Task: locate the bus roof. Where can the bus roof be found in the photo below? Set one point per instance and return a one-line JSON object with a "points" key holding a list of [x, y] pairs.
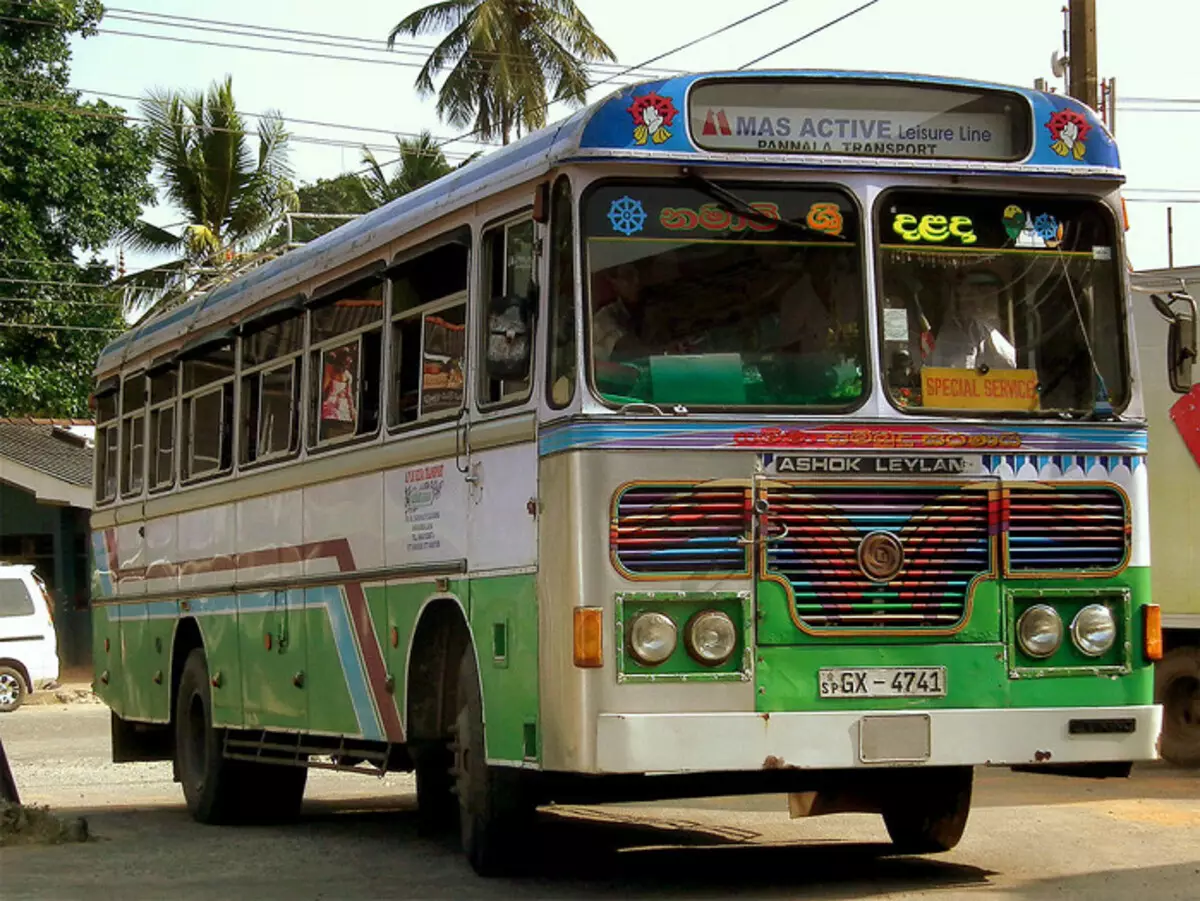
{"points": [[651, 122]]}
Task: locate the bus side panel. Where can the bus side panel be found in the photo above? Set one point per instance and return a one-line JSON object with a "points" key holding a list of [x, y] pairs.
{"points": [[504, 621], [339, 700], [271, 632], [218, 621], [106, 655], [145, 651]]}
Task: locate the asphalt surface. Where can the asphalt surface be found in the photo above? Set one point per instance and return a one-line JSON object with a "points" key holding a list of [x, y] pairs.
{"points": [[1030, 837]]}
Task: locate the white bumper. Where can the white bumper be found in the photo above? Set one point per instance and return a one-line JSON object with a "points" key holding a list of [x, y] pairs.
{"points": [[707, 742]]}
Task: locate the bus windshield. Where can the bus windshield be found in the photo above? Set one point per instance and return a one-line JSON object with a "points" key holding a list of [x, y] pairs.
{"points": [[1000, 304], [735, 296]]}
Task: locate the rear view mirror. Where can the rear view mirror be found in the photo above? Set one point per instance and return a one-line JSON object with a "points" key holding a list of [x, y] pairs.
{"points": [[509, 339], [1181, 349]]}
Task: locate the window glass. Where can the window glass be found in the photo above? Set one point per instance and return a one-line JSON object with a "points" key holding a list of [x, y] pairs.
{"points": [[346, 388], [561, 375], [277, 407], [443, 360], [742, 295], [14, 598], [162, 454], [1001, 303], [133, 393], [511, 287], [106, 407], [133, 444], [274, 341], [207, 432], [356, 307], [439, 273], [163, 386], [106, 461]]}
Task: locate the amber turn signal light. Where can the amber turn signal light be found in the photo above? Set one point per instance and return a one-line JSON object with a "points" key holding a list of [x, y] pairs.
{"points": [[589, 637], [1152, 621]]}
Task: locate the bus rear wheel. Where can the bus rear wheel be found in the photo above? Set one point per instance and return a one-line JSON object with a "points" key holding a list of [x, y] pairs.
{"points": [[926, 811], [495, 813], [217, 789]]}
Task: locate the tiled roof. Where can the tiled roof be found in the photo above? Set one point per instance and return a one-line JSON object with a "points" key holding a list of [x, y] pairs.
{"points": [[46, 445]]}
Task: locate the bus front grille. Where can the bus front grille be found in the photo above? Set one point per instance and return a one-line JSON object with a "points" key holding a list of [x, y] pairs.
{"points": [[680, 530], [1076, 528], [815, 533]]}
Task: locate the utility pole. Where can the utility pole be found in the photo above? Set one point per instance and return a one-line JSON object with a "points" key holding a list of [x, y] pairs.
{"points": [[1083, 82]]}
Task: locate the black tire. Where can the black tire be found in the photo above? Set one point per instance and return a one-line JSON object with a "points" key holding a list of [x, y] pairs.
{"points": [[13, 689], [216, 789], [495, 813], [1177, 688], [437, 808], [926, 811]]}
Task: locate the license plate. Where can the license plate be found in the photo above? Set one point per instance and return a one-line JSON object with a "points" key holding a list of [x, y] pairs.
{"points": [[884, 682]]}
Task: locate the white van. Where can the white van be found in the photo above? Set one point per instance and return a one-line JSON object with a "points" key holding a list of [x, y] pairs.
{"points": [[28, 645]]}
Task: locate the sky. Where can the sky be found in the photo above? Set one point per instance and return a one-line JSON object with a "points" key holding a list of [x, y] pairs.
{"points": [[1148, 46]]}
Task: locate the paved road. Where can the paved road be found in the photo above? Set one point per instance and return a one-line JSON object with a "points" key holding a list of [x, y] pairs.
{"points": [[1030, 837]]}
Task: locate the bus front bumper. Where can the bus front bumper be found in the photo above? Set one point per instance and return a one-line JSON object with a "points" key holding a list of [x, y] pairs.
{"points": [[710, 742]]}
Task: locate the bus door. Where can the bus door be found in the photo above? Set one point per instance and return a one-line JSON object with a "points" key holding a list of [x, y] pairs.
{"points": [[273, 657]]}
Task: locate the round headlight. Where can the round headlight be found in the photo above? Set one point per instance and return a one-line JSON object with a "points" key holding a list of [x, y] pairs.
{"points": [[652, 638], [1094, 630], [710, 637], [1040, 631]]}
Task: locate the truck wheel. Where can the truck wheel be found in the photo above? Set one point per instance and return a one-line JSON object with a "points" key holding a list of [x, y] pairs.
{"points": [[926, 812], [1177, 688], [495, 814], [437, 808], [12, 689], [219, 790]]}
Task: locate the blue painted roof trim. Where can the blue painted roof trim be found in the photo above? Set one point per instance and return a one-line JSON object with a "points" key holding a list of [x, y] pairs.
{"points": [[604, 131]]}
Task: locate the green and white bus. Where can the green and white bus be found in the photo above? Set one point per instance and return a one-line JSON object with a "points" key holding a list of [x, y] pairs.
{"points": [[744, 432]]}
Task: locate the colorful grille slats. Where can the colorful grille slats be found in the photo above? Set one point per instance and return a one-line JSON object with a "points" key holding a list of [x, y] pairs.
{"points": [[1065, 529], [944, 531], [681, 530]]}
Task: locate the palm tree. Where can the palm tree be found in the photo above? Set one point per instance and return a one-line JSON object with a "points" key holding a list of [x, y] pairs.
{"points": [[503, 56], [231, 196], [421, 162]]}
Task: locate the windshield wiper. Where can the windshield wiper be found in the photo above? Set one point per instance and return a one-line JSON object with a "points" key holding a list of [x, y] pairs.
{"points": [[732, 203]]}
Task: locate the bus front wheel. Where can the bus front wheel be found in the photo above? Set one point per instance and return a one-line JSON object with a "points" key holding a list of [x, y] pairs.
{"points": [[1177, 688], [217, 789], [926, 811], [495, 814]]}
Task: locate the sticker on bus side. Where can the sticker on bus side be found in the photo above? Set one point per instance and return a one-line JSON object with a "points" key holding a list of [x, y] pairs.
{"points": [[871, 465]]}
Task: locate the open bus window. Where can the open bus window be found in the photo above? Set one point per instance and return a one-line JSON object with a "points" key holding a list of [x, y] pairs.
{"points": [[694, 303], [429, 332], [164, 388], [1000, 303], [347, 338], [207, 411], [509, 282], [270, 408]]}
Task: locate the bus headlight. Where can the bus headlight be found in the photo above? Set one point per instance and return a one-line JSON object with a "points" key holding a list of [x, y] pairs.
{"points": [[652, 638], [710, 637], [1040, 631], [1094, 630]]}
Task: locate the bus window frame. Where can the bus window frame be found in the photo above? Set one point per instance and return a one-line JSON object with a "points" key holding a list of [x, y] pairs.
{"points": [[156, 409], [483, 284], [758, 180], [125, 489], [1120, 291], [571, 300], [106, 430], [466, 236], [257, 371], [314, 355], [187, 406]]}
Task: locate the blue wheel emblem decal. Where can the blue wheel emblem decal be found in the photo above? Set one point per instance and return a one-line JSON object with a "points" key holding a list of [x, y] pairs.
{"points": [[627, 216]]}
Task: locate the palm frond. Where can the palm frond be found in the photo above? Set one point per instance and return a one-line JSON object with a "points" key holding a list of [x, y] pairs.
{"points": [[145, 237]]}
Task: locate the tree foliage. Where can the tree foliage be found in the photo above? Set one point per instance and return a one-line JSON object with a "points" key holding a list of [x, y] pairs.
{"points": [[507, 60], [72, 176], [232, 194], [422, 162]]}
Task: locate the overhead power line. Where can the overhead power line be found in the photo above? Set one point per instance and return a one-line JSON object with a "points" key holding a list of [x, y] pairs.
{"points": [[56, 300], [807, 35], [61, 328]]}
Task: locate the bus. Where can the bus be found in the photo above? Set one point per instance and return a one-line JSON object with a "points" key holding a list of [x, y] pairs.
{"points": [[744, 432]]}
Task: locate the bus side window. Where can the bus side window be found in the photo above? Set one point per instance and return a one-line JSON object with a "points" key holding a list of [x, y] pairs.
{"points": [[207, 411], [106, 442], [270, 408], [164, 390], [429, 332], [345, 362], [133, 434], [508, 277], [560, 381]]}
